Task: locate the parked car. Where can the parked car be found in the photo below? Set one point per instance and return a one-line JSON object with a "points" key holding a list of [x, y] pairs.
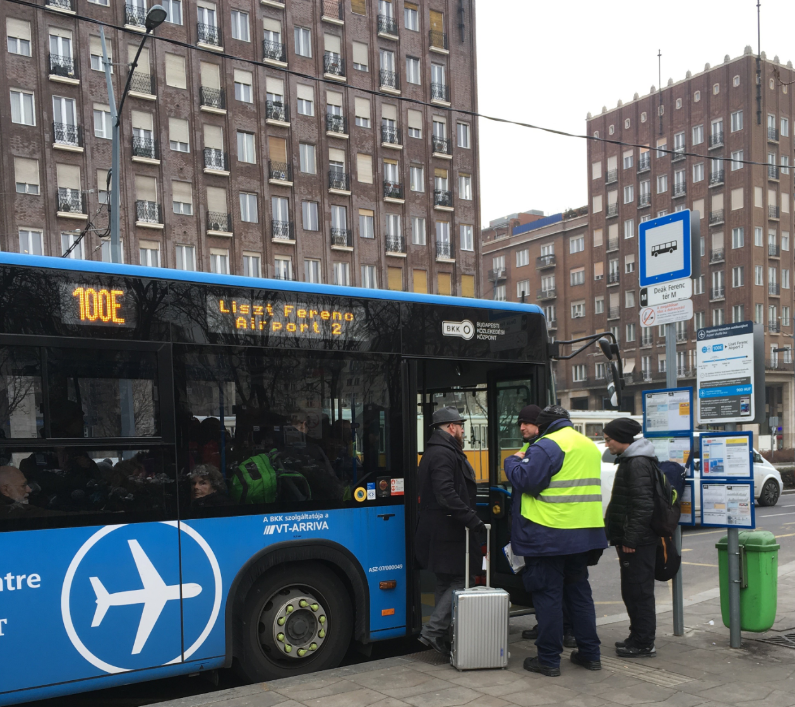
{"points": [[767, 479]]}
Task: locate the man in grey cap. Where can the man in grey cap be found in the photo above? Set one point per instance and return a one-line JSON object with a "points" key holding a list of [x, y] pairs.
{"points": [[448, 496]]}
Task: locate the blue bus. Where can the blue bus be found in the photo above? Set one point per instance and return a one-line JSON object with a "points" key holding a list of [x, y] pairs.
{"points": [[201, 471]]}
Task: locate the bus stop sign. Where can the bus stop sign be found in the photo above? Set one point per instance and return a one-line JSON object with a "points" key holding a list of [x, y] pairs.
{"points": [[665, 249]]}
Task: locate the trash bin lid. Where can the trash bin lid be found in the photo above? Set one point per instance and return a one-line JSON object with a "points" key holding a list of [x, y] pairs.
{"points": [[758, 541]]}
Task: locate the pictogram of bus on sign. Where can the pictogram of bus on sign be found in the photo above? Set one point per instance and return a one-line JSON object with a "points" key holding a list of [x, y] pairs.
{"points": [[669, 247]]}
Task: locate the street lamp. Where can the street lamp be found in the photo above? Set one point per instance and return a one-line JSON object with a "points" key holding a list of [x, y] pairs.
{"points": [[154, 18]]}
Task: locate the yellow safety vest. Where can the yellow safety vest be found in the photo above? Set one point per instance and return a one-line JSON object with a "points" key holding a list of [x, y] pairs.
{"points": [[573, 498]]}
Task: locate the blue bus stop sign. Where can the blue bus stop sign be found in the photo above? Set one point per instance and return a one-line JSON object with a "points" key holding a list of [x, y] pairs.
{"points": [[665, 249]]}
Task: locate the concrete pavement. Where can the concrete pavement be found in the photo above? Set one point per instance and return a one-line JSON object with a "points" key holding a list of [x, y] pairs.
{"points": [[697, 669]]}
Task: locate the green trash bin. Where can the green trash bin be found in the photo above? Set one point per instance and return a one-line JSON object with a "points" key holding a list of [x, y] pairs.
{"points": [[758, 579]]}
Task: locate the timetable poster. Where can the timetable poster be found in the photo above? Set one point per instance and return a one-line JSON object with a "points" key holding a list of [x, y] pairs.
{"points": [[674, 449], [727, 505], [667, 412], [723, 456]]}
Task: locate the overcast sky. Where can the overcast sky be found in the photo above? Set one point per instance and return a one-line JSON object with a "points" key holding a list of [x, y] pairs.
{"points": [[549, 63]]}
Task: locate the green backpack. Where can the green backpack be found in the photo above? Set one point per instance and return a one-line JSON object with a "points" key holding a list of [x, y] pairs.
{"points": [[263, 479]]}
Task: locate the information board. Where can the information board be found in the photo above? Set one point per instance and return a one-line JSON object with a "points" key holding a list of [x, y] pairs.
{"points": [[725, 373], [728, 504], [688, 504], [674, 449], [668, 412], [726, 455]]}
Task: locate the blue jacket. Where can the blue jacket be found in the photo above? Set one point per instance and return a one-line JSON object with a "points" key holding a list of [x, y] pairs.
{"points": [[532, 475]]}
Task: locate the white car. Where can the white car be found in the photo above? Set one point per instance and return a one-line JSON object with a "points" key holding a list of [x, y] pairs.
{"points": [[767, 479]]}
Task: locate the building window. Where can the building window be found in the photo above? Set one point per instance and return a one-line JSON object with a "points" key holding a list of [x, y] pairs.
{"points": [[738, 237], [283, 268], [309, 215], [784, 240], [31, 242], [737, 121], [243, 86], [149, 254], [19, 44], [738, 276], [599, 305], [629, 298], [696, 96], [413, 70], [522, 289], [698, 320], [342, 274], [367, 224], [784, 127], [248, 208], [577, 277], [417, 230], [303, 42], [306, 106], [577, 244], [628, 159], [522, 257], [629, 228], [784, 164], [611, 129], [717, 317], [465, 187], [182, 208], [219, 261], [462, 130], [678, 103], [467, 239], [411, 17], [579, 373], [103, 128], [246, 151], [785, 278], [240, 26], [736, 81], [759, 275], [22, 108], [758, 237], [577, 310], [662, 183], [499, 293], [185, 257], [417, 178], [629, 263], [252, 265], [368, 277], [737, 160], [738, 313], [698, 134], [785, 320], [306, 154], [312, 271], [715, 89], [173, 10], [630, 333]]}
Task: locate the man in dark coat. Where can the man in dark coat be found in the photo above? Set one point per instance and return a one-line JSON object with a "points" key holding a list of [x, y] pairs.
{"points": [[628, 526], [448, 502]]}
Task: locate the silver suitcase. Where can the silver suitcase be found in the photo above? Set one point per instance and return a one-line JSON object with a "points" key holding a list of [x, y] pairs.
{"points": [[480, 622]]}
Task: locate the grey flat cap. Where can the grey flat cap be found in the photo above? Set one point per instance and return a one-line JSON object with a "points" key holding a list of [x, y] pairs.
{"points": [[445, 416]]}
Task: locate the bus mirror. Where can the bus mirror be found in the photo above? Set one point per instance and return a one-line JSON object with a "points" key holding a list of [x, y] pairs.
{"points": [[614, 386], [604, 344]]}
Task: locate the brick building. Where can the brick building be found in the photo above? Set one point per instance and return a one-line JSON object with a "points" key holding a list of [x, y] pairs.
{"points": [[230, 164]]}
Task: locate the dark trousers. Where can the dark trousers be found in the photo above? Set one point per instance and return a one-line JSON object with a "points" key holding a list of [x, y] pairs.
{"points": [[553, 581], [438, 625], [637, 591]]}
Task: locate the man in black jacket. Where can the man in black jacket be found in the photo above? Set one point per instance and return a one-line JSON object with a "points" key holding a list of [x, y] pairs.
{"points": [[448, 502], [628, 526]]}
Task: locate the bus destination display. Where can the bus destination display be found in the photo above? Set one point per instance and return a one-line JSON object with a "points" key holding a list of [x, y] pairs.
{"points": [[96, 305], [255, 316]]}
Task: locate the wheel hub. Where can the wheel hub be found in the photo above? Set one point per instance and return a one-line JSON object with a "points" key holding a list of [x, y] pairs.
{"points": [[300, 623]]}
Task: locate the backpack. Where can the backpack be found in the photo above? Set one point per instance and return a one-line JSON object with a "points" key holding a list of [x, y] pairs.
{"points": [[667, 500], [263, 479], [667, 561]]}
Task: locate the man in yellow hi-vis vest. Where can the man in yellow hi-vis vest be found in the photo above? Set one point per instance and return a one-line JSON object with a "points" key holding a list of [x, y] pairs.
{"points": [[560, 531]]}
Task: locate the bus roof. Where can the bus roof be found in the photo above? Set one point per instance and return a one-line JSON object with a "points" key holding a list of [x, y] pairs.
{"points": [[40, 261]]}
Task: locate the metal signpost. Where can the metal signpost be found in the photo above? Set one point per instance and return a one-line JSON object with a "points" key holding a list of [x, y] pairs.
{"points": [[667, 257]]}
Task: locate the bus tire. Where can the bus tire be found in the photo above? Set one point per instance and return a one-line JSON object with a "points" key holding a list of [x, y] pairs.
{"points": [[296, 619]]}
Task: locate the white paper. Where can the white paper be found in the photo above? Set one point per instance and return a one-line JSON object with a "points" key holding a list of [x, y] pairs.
{"points": [[726, 457], [667, 412], [726, 504], [674, 449]]}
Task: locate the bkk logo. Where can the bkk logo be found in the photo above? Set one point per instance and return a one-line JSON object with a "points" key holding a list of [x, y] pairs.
{"points": [[464, 330], [111, 557]]}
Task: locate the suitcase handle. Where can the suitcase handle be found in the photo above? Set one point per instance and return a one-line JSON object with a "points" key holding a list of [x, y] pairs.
{"points": [[488, 557]]}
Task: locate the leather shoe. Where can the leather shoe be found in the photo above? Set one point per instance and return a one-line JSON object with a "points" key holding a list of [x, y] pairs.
{"points": [[534, 666], [435, 642], [569, 641], [530, 634], [630, 651], [577, 659]]}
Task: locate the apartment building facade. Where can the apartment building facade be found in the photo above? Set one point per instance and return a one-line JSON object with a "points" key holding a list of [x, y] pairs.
{"points": [[260, 137]]}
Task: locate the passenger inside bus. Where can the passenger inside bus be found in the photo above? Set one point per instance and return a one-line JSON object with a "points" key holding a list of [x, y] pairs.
{"points": [[208, 488]]}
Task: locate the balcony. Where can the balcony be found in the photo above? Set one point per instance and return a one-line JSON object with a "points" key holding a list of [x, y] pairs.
{"points": [[772, 172], [716, 178], [681, 336], [332, 11], [273, 52], [772, 134], [277, 112], [773, 250], [644, 162], [67, 136], [387, 27], [145, 149], [280, 173], [778, 364], [215, 160], [581, 382], [134, 16], [389, 81], [717, 255], [685, 373], [646, 341], [774, 289], [611, 176], [679, 154], [438, 42], [63, 67], [393, 192], [142, 85], [680, 190], [773, 212], [71, 203], [716, 217], [61, 5], [717, 293], [339, 182], [282, 231], [391, 137], [644, 200], [219, 223], [208, 34], [395, 245], [614, 312], [148, 213], [440, 93], [497, 276], [443, 199], [336, 125], [442, 147], [552, 324], [716, 139], [341, 238], [334, 66], [613, 277], [612, 244], [545, 261], [549, 293], [773, 328], [444, 250], [612, 210], [212, 99]]}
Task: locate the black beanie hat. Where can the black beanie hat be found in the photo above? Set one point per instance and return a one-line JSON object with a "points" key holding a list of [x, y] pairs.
{"points": [[550, 414], [623, 430], [529, 413]]}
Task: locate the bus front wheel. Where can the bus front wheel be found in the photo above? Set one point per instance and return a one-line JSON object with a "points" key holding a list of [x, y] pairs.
{"points": [[295, 620]]}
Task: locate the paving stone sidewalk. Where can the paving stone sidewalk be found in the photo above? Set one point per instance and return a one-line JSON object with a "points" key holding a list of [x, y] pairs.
{"points": [[696, 669]]}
